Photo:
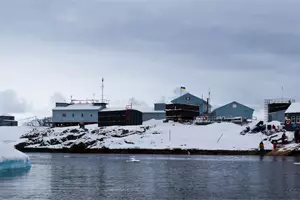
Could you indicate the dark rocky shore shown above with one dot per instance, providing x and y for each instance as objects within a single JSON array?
[{"x": 142, "y": 151}]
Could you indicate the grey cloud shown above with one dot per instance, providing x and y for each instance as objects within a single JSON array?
[
  {"x": 193, "y": 27},
  {"x": 177, "y": 92},
  {"x": 211, "y": 31},
  {"x": 162, "y": 99},
  {"x": 243, "y": 50},
  {"x": 136, "y": 102},
  {"x": 57, "y": 97},
  {"x": 11, "y": 103}
]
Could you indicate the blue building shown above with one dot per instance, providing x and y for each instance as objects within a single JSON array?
[
  {"x": 160, "y": 106},
  {"x": 188, "y": 98},
  {"x": 233, "y": 109}
]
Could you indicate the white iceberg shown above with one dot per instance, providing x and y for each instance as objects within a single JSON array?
[{"x": 10, "y": 158}]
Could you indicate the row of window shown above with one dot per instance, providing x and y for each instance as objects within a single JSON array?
[
  {"x": 295, "y": 119},
  {"x": 73, "y": 115}
]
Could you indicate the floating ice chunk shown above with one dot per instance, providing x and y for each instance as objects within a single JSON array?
[
  {"x": 132, "y": 159},
  {"x": 296, "y": 163},
  {"x": 10, "y": 158}
]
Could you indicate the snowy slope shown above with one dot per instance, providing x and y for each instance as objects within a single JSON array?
[
  {"x": 153, "y": 134},
  {"x": 12, "y": 134}
]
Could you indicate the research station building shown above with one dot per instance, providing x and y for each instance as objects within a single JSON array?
[
  {"x": 182, "y": 112},
  {"x": 8, "y": 120},
  {"x": 73, "y": 114},
  {"x": 292, "y": 117},
  {"x": 233, "y": 109},
  {"x": 188, "y": 98},
  {"x": 275, "y": 109},
  {"x": 122, "y": 117},
  {"x": 157, "y": 113}
]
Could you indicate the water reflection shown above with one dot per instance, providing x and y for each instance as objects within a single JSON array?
[
  {"x": 84, "y": 177},
  {"x": 13, "y": 173}
]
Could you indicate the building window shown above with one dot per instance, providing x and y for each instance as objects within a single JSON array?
[
  {"x": 73, "y": 115},
  {"x": 293, "y": 119},
  {"x": 298, "y": 120},
  {"x": 64, "y": 115},
  {"x": 81, "y": 114}
]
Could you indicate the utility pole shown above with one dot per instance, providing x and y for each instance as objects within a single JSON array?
[
  {"x": 208, "y": 101},
  {"x": 102, "y": 87}
]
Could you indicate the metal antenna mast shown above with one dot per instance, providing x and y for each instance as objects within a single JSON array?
[
  {"x": 102, "y": 89},
  {"x": 209, "y": 101}
]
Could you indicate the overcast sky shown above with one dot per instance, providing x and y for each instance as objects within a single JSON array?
[{"x": 243, "y": 50}]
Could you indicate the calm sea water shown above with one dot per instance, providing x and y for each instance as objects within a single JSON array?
[{"x": 85, "y": 177}]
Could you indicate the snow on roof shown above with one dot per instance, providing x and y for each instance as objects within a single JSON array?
[
  {"x": 142, "y": 109},
  {"x": 113, "y": 109},
  {"x": 293, "y": 108},
  {"x": 83, "y": 106}
]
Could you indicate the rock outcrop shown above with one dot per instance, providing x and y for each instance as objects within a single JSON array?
[{"x": 78, "y": 139}]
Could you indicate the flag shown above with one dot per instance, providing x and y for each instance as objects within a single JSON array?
[{"x": 182, "y": 88}]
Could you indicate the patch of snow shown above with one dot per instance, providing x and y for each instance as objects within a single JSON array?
[
  {"x": 293, "y": 108},
  {"x": 289, "y": 147},
  {"x": 12, "y": 134},
  {"x": 153, "y": 134},
  {"x": 79, "y": 106},
  {"x": 139, "y": 108},
  {"x": 275, "y": 123},
  {"x": 259, "y": 114}
]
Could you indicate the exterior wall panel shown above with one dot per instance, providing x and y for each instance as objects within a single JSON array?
[
  {"x": 234, "y": 109},
  {"x": 154, "y": 115},
  {"x": 74, "y": 116},
  {"x": 159, "y": 106}
]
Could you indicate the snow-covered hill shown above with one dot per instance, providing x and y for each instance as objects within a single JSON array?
[
  {"x": 151, "y": 135},
  {"x": 12, "y": 134}
]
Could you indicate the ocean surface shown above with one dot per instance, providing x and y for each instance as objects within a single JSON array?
[{"x": 90, "y": 177}]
